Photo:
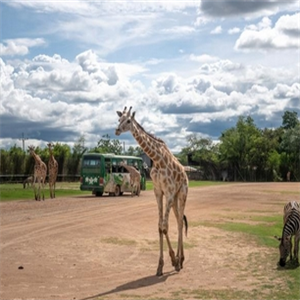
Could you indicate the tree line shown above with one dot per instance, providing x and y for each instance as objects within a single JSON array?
[{"x": 243, "y": 153}]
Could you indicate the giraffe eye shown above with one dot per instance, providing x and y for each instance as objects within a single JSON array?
[{"x": 128, "y": 121}]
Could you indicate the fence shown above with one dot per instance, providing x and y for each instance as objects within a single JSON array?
[{"x": 19, "y": 178}]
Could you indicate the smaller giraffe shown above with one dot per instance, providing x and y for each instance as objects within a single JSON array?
[
  {"x": 53, "y": 170},
  {"x": 39, "y": 176},
  {"x": 27, "y": 181},
  {"x": 135, "y": 179}
]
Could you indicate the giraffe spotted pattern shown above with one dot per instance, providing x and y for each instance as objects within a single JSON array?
[{"x": 170, "y": 182}]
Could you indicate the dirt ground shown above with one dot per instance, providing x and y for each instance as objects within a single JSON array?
[{"x": 87, "y": 247}]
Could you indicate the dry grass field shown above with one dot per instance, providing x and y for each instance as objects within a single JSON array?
[{"x": 85, "y": 247}]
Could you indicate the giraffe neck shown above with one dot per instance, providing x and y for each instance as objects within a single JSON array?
[
  {"x": 36, "y": 158},
  {"x": 128, "y": 168},
  {"x": 152, "y": 146}
]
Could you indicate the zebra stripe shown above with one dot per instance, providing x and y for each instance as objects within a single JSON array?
[
  {"x": 288, "y": 208},
  {"x": 291, "y": 228}
]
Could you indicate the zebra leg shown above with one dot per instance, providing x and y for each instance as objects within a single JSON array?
[{"x": 296, "y": 248}]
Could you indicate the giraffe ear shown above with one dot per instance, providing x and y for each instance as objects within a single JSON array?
[
  {"x": 119, "y": 113},
  {"x": 133, "y": 115}
]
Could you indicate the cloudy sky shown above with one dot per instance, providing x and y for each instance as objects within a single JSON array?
[{"x": 185, "y": 66}]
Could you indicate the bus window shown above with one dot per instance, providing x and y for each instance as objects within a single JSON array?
[
  {"x": 107, "y": 165},
  {"x": 91, "y": 162}
]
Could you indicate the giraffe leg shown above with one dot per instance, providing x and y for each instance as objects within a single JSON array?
[
  {"x": 169, "y": 204},
  {"x": 34, "y": 189},
  {"x": 178, "y": 209},
  {"x": 51, "y": 189},
  {"x": 159, "y": 199},
  {"x": 42, "y": 187}
]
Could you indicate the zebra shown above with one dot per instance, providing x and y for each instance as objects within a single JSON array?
[
  {"x": 291, "y": 227},
  {"x": 288, "y": 208}
]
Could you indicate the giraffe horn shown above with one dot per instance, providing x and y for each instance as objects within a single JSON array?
[
  {"x": 128, "y": 114},
  {"x": 125, "y": 108}
]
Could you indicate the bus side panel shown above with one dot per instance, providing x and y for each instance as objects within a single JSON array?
[
  {"x": 113, "y": 179},
  {"x": 91, "y": 180}
]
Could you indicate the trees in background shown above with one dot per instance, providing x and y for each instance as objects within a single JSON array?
[{"x": 244, "y": 151}]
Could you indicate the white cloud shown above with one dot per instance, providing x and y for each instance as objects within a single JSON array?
[
  {"x": 204, "y": 58},
  {"x": 284, "y": 35},
  {"x": 21, "y": 47},
  {"x": 93, "y": 8},
  {"x": 217, "y": 30},
  {"x": 234, "y": 30},
  {"x": 158, "y": 57}
]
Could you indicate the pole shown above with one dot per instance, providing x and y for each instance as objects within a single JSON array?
[{"x": 23, "y": 141}]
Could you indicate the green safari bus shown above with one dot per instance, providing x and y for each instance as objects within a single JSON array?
[{"x": 102, "y": 173}]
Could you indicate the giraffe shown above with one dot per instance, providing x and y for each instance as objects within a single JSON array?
[
  {"x": 135, "y": 178},
  {"x": 53, "y": 170},
  {"x": 27, "y": 181},
  {"x": 39, "y": 176},
  {"x": 169, "y": 180}
]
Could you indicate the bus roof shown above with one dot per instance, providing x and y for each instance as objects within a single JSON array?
[{"x": 111, "y": 155}]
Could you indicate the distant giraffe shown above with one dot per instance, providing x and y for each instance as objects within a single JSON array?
[
  {"x": 27, "y": 181},
  {"x": 39, "y": 176},
  {"x": 135, "y": 179},
  {"x": 169, "y": 180},
  {"x": 53, "y": 170}
]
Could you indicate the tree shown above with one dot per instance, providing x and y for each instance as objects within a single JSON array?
[
  {"x": 77, "y": 152},
  {"x": 106, "y": 145},
  {"x": 137, "y": 151},
  {"x": 62, "y": 154},
  {"x": 289, "y": 119},
  {"x": 290, "y": 146},
  {"x": 241, "y": 147},
  {"x": 201, "y": 152},
  {"x": 17, "y": 160}
]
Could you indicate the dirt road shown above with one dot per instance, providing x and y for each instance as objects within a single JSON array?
[{"x": 88, "y": 247}]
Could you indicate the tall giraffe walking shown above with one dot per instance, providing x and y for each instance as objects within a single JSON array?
[
  {"x": 169, "y": 180},
  {"x": 39, "y": 175},
  {"x": 53, "y": 170},
  {"x": 135, "y": 178}
]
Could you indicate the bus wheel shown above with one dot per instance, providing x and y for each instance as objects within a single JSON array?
[
  {"x": 99, "y": 194},
  {"x": 117, "y": 191}
]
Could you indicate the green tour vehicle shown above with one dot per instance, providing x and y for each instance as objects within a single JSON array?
[{"x": 102, "y": 173}]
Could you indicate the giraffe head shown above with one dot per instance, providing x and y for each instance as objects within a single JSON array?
[
  {"x": 31, "y": 149},
  {"x": 50, "y": 146},
  {"x": 125, "y": 120}
]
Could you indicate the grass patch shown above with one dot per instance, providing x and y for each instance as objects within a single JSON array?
[
  {"x": 117, "y": 241},
  {"x": 282, "y": 192},
  {"x": 153, "y": 245},
  {"x": 16, "y": 191},
  {"x": 263, "y": 234}
]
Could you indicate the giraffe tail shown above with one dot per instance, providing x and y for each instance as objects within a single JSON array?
[{"x": 186, "y": 224}]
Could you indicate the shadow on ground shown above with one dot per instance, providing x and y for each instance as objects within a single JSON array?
[{"x": 136, "y": 284}]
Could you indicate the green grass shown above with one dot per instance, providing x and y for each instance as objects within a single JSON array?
[
  {"x": 9, "y": 192},
  {"x": 118, "y": 241},
  {"x": 262, "y": 233}
]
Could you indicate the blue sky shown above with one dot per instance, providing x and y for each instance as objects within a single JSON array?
[{"x": 186, "y": 67}]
